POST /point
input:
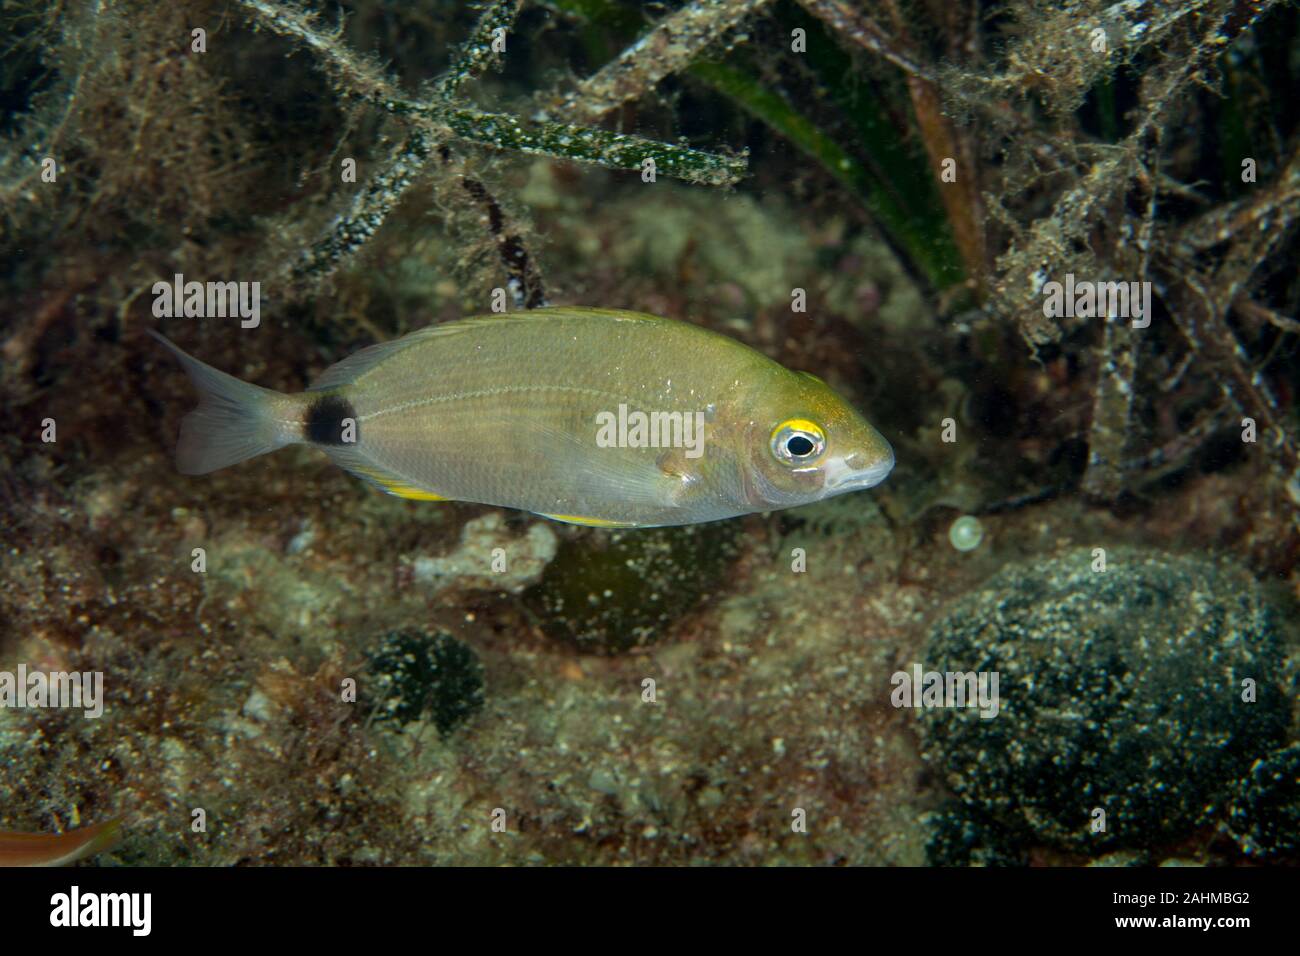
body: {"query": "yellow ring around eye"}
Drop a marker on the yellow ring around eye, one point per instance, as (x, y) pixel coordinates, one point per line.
(800, 425)
(809, 431)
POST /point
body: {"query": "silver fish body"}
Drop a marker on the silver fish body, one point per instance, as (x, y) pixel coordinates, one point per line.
(585, 415)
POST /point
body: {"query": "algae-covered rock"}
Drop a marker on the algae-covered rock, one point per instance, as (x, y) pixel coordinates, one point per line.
(608, 591)
(1126, 712)
(414, 674)
(1265, 814)
(956, 837)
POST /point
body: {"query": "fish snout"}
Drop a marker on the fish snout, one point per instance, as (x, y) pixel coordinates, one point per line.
(860, 469)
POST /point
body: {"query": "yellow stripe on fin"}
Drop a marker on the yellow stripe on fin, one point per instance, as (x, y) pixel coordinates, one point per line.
(589, 522)
(411, 492)
(355, 462)
(398, 487)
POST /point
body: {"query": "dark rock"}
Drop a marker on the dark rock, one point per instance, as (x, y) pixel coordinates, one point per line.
(414, 674)
(609, 591)
(1120, 690)
(1265, 813)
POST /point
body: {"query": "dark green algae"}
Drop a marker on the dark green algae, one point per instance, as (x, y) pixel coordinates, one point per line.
(1123, 691)
(607, 592)
(416, 674)
(1264, 817)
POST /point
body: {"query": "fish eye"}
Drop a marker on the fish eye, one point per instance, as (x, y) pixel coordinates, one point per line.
(800, 445)
(798, 441)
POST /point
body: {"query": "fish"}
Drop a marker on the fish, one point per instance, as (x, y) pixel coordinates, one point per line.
(58, 849)
(589, 416)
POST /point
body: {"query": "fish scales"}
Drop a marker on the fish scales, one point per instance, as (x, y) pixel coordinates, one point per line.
(488, 416)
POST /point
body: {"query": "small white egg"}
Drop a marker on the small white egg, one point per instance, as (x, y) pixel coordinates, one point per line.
(966, 533)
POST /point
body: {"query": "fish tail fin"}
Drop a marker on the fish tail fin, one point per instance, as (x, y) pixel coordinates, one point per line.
(234, 420)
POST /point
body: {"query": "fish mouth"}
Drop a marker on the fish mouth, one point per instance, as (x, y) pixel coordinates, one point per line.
(849, 477)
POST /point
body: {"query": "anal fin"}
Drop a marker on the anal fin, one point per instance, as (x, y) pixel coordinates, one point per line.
(589, 522)
(402, 490)
(356, 463)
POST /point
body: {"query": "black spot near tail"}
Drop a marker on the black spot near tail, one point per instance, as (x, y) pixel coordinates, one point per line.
(331, 420)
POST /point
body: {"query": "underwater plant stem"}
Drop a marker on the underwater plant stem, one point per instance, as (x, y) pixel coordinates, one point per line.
(478, 52)
(581, 144)
(1111, 412)
(436, 121)
(602, 147)
(669, 47)
(357, 75)
(524, 280)
(1263, 313)
(960, 195)
(1079, 208)
(382, 192)
(847, 21)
